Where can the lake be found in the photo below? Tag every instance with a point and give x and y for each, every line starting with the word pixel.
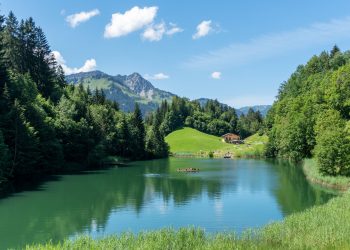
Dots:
pixel 225 195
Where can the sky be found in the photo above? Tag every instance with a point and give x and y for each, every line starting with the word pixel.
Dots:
pixel 238 52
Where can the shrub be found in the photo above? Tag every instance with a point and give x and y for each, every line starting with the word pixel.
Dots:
pixel 333 145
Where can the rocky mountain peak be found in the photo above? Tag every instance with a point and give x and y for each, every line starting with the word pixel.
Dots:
pixel 138 84
pixel 125 89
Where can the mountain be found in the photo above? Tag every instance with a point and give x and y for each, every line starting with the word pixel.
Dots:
pixel 262 108
pixel 128 89
pixel 244 110
pixel 125 89
pixel 203 101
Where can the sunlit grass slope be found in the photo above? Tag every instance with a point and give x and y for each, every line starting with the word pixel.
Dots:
pixel 192 141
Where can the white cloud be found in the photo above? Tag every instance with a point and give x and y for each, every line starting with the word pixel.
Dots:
pixel 173 29
pixel 89 64
pixel 216 75
pixel 132 20
pixel 203 29
pixel 155 32
pixel 78 18
pixel 267 46
pixel 159 76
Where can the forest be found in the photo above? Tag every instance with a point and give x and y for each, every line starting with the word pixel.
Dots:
pixel 48 126
pixel 212 118
pixel 310 117
pixel 45 123
pixel 64 132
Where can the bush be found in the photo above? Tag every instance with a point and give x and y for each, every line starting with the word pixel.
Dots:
pixel 333 145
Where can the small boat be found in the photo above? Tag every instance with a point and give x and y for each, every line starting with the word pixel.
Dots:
pixel 227 156
pixel 188 170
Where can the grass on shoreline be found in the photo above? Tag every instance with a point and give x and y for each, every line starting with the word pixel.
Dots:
pixel 320 227
pixel 189 142
pixel 312 173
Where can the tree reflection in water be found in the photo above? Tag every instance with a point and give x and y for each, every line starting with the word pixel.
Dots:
pixel 86 203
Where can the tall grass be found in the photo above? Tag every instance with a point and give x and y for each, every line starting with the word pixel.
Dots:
pixel 320 227
pixel 313 174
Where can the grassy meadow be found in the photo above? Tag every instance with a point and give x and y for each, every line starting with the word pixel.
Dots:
pixel 189 141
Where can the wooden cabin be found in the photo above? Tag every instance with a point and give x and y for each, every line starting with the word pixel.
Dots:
pixel 232 138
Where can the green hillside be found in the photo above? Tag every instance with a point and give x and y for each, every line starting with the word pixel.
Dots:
pixel 126 90
pixel 189 141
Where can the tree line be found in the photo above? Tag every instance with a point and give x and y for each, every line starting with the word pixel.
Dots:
pixel 311 116
pixel 213 118
pixel 48 126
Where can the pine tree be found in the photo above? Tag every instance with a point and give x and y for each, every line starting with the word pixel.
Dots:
pixel 88 91
pixel 124 139
pixel 138 133
pixel 334 51
pixel 11 42
pixel 102 97
pixel 45 64
pixel 99 96
pixel 23 142
pixel 3 70
pixel 115 105
pixel 61 81
pixel 156 145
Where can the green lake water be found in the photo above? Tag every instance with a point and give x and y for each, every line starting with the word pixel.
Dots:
pixel 225 195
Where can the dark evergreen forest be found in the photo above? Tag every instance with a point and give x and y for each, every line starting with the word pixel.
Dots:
pixel 48 126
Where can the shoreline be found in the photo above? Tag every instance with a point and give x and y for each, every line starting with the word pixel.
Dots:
pixel 325 226
pixel 335 183
pixel 296 231
pixel 218 155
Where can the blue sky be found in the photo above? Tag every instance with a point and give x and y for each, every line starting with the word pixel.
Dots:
pixel 235 51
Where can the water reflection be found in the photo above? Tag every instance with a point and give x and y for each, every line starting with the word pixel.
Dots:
pixel 293 192
pixel 224 195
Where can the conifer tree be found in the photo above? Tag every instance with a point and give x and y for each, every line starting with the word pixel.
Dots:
pixel 138 132
pixel 334 51
pixel 11 43
pixel 156 145
pixel 3 73
pixel 124 138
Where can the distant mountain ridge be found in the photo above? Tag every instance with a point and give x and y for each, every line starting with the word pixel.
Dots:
pixel 128 89
pixel 263 109
pixel 243 110
pixel 125 89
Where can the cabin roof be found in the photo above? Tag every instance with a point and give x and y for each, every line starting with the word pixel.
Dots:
pixel 229 134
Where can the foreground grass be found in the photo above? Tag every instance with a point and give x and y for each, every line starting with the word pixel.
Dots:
pixel 189 141
pixel 320 227
pixel 312 173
